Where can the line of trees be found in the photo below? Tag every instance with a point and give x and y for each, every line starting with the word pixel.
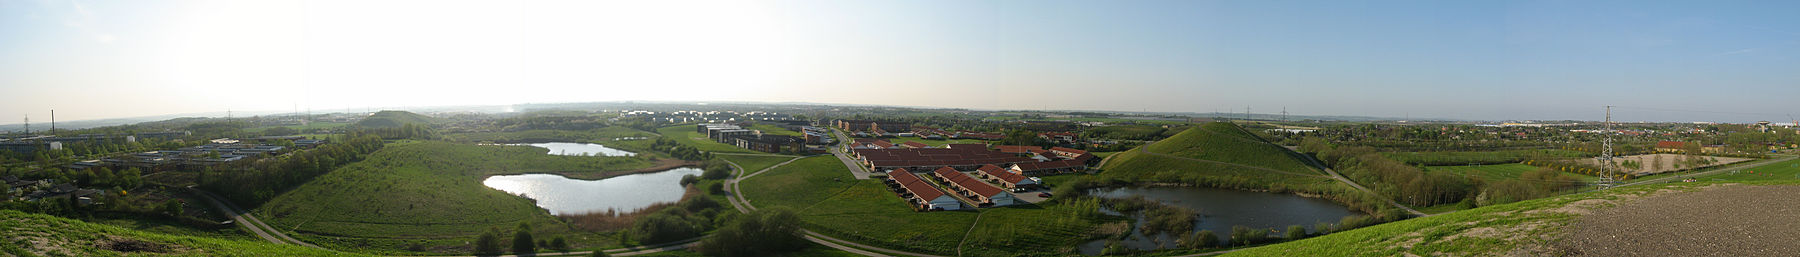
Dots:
pixel 1393 179
pixel 678 150
pixel 265 179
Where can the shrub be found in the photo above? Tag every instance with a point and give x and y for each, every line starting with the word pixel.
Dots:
pixel 689 179
pixel 717 189
pixel 522 242
pixel 761 233
pixel 488 243
pixel 560 244
pixel 1295 232
pixel 1241 235
pixel 1207 238
pixel 716 170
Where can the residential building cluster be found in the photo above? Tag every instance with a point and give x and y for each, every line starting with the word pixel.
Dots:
pixel 752 139
pixel 976 173
pixel 33 190
pixel 874 128
pixel 704 116
pixel 219 151
pixel 880 155
pixel 26 144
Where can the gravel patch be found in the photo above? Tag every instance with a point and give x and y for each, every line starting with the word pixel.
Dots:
pixel 1723 221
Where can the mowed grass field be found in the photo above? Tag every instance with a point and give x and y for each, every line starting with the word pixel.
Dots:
pixel 1499 171
pixel 601 135
pixel 1478 157
pixel 774 130
pixel 427 197
pixel 864 211
pixel 1786 170
pixel 1225 142
pixel 44 235
pixel 753 163
pixel 685 135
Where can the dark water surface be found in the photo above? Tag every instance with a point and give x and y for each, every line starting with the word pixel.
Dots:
pixel 1221 209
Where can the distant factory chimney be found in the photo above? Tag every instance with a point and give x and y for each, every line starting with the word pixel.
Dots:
pixel 28 124
pixel 52 121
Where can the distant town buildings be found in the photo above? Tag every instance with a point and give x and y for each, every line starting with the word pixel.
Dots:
pixel 752 139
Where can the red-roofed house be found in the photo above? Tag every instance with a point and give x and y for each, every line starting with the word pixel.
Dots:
pixel 1671 146
pixel 921 194
pixel 1006 177
pixel 1067 153
pixel 1048 168
pixel 1018 149
pixel 968 186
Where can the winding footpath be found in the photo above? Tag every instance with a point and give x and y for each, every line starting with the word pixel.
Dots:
pixel 1340 177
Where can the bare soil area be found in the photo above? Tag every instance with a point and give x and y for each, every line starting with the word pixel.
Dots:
pixel 1658 163
pixel 1722 221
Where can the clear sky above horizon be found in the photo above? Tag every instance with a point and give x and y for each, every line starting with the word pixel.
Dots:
pixel 1489 60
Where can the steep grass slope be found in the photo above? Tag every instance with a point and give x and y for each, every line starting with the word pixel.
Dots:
pixel 26 234
pixel 1226 142
pixel 1525 228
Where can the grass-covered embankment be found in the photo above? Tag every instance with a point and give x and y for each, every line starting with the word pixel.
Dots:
pixel 44 235
pixel 1522 228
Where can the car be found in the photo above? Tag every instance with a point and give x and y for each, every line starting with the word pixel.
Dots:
pixel 1044 195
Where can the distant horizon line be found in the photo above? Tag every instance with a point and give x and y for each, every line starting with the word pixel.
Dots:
pixel 1214 114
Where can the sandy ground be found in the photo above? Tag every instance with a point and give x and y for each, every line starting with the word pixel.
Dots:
pixel 1724 221
pixel 1667 164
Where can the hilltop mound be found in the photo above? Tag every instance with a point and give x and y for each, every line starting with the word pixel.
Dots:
pixel 1214 149
pixel 394 119
pixel 45 235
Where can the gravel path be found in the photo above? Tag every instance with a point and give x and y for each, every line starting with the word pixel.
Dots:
pixel 1726 221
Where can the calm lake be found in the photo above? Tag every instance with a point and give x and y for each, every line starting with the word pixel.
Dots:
pixel 581 149
pixel 562 195
pixel 1221 209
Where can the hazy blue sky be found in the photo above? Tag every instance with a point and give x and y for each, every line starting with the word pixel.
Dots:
pixel 1452 59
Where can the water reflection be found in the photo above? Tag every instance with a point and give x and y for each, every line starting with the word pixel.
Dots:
pixel 1220 209
pixel 581 149
pixel 562 195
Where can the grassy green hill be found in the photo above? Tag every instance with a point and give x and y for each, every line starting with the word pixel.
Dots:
pixel 393 119
pixel 427 197
pixel 43 235
pixel 1514 229
pixel 1225 142
pixel 1215 152
pixel 1221 155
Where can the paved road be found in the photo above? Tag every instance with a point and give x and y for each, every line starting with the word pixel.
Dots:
pixel 838 150
pixel 236 217
pixel 1340 177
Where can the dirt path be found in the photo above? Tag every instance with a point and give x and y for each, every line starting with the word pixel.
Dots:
pixel 1724 221
pixel 1340 177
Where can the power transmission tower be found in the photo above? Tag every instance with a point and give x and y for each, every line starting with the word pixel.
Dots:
pixel 1606 149
pixel 1284 114
pixel 1246 112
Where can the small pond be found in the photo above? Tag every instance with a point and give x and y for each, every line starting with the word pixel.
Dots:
pixel 1220 209
pixel 581 149
pixel 562 195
